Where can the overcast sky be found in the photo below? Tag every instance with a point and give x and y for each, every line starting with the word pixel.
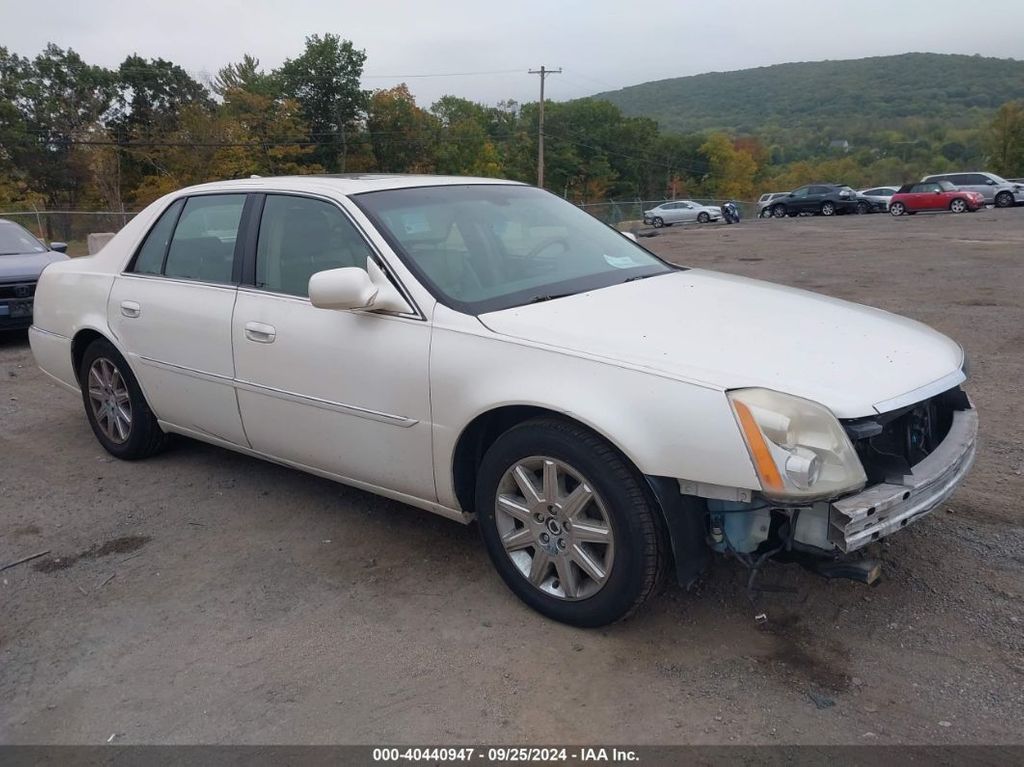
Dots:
pixel 600 45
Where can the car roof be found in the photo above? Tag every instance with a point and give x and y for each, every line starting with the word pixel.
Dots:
pixel 342 183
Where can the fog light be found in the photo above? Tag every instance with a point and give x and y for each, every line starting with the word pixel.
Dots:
pixel 803 467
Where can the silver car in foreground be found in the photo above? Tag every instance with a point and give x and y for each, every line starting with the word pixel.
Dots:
pixel 681 211
pixel 995 189
pixel 879 196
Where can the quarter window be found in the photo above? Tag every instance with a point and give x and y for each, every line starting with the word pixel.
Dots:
pixel 203 246
pixel 299 237
pixel 150 259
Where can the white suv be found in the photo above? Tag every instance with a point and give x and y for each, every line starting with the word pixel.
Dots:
pixel 995 189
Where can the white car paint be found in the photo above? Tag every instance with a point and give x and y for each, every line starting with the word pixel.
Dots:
pixel 379 400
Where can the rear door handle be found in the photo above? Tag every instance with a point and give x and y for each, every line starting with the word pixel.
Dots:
pixel 131 309
pixel 260 332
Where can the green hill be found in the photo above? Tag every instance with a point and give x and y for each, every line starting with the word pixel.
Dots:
pixel 825 94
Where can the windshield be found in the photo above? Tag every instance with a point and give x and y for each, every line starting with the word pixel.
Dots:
pixel 485 247
pixel 15 240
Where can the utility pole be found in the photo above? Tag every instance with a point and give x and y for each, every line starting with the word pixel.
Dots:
pixel 540 121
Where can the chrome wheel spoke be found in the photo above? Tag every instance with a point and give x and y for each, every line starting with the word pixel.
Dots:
pixel 526 486
pixel 110 400
pixel 591 532
pixel 550 482
pixel 566 577
pixel 518 539
pixel 587 564
pixel 513 508
pixel 576 501
pixel 539 567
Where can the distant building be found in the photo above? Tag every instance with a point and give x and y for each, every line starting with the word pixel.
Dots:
pixel 841 145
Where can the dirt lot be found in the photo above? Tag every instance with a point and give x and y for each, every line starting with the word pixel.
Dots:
pixel 207 597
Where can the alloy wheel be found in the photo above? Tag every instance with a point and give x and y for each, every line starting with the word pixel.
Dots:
pixel 110 400
pixel 896 209
pixel 555 528
pixel 827 209
pixel 958 206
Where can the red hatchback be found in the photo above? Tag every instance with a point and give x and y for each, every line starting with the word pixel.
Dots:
pixel 934 195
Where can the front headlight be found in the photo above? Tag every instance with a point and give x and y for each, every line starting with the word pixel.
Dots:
pixel 799 449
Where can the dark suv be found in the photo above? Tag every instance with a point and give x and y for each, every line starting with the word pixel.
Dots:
pixel 823 199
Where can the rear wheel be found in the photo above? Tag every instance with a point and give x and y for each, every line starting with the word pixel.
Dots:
pixel 862 208
pixel 1004 200
pixel 897 209
pixel 118 413
pixel 658 222
pixel 703 217
pixel 568 523
pixel 958 206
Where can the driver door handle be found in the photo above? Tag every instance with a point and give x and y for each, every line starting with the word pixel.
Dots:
pixel 260 332
pixel 130 309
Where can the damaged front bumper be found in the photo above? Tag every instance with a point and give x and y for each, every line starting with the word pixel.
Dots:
pixel 877 511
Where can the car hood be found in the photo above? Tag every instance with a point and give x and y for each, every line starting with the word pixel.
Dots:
pixel 27 266
pixel 732 332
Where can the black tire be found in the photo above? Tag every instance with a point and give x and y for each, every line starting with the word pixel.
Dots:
pixel 828 208
pixel 144 437
pixel 658 222
pixel 779 211
pixel 1004 200
pixel 862 208
pixel 703 217
pixel 639 542
pixel 958 205
pixel 897 209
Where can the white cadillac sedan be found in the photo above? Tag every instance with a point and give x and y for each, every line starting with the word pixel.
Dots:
pixel 485 350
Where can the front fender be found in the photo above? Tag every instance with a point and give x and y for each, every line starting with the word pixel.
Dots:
pixel 666 427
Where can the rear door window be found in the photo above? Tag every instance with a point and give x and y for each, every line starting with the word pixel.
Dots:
pixel 203 245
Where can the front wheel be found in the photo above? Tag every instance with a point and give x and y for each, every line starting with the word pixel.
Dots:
pixel 568 523
pixel 897 209
pixel 1004 200
pixel 958 206
pixel 658 222
pixel 779 211
pixel 117 411
pixel 703 217
pixel 862 208
pixel 828 209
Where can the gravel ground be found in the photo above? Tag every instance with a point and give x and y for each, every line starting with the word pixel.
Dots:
pixel 206 597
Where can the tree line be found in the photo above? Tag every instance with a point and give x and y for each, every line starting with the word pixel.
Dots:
pixel 78 136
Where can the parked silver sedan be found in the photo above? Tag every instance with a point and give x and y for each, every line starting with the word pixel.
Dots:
pixel 879 195
pixel 681 211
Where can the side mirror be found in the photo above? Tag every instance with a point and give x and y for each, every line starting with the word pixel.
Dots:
pixel 354 288
pixel 59 247
pixel 345 288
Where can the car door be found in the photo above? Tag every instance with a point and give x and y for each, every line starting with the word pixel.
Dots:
pixel 170 312
pixel 796 202
pixel 340 391
pixel 686 212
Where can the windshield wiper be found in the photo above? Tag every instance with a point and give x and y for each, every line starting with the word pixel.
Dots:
pixel 638 277
pixel 539 299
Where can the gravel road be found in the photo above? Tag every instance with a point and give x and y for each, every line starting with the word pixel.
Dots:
pixel 205 597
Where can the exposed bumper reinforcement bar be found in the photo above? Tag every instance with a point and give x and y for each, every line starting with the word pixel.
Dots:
pixel 882 509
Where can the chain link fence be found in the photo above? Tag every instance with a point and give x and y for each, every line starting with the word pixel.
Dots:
pixel 617 211
pixel 70 226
